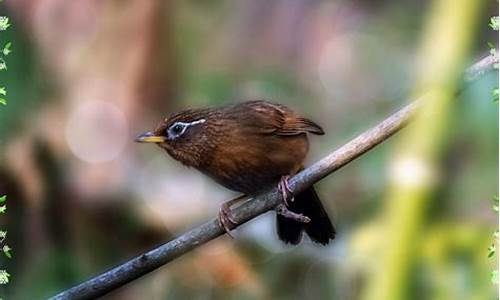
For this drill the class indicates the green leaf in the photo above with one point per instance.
(3, 64)
(4, 277)
(3, 91)
(3, 198)
(494, 276)
(494, 23)
(491, 250)
(4, 23)
(3, 208)
(493, 51)
(6, 250)
(3, 101)
(3, 234)
(6, 49)
(495, 99)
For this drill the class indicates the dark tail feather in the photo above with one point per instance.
(289, 231)
(320, 229)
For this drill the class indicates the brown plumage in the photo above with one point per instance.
(248, 147)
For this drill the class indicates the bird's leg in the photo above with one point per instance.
(282, 209)
(225, 218)
(285, 189)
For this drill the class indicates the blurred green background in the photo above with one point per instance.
(86, 76)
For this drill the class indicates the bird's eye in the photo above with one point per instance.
(176, 130)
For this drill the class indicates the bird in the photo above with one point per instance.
(249, 147)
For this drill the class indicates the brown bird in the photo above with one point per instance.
(249, 147)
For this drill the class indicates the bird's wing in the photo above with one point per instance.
(270, 118)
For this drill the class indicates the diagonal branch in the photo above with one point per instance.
(147, 262)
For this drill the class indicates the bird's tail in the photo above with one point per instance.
(320, 229)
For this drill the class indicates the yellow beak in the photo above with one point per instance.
(149, 137)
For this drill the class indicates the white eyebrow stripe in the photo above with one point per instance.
(188, 124)
(185, 126)
(200, 121)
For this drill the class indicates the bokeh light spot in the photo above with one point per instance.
(411, 172)
(96, 131)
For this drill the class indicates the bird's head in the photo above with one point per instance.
(183, 135)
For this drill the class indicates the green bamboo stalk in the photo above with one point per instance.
(414, 169)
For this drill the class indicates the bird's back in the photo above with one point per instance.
(260, 143)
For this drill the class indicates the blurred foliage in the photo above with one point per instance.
(65, 231)
(416, 164)
(6, 249)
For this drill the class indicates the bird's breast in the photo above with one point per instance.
(248, 165)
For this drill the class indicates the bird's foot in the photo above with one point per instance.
(285, 189)
(282, 209)
(225, 218)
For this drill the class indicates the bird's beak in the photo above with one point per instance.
(149, 137)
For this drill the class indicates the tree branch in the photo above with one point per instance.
(147, 262)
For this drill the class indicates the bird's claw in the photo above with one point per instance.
(285, 189)
(282, 210)
(226, 220)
